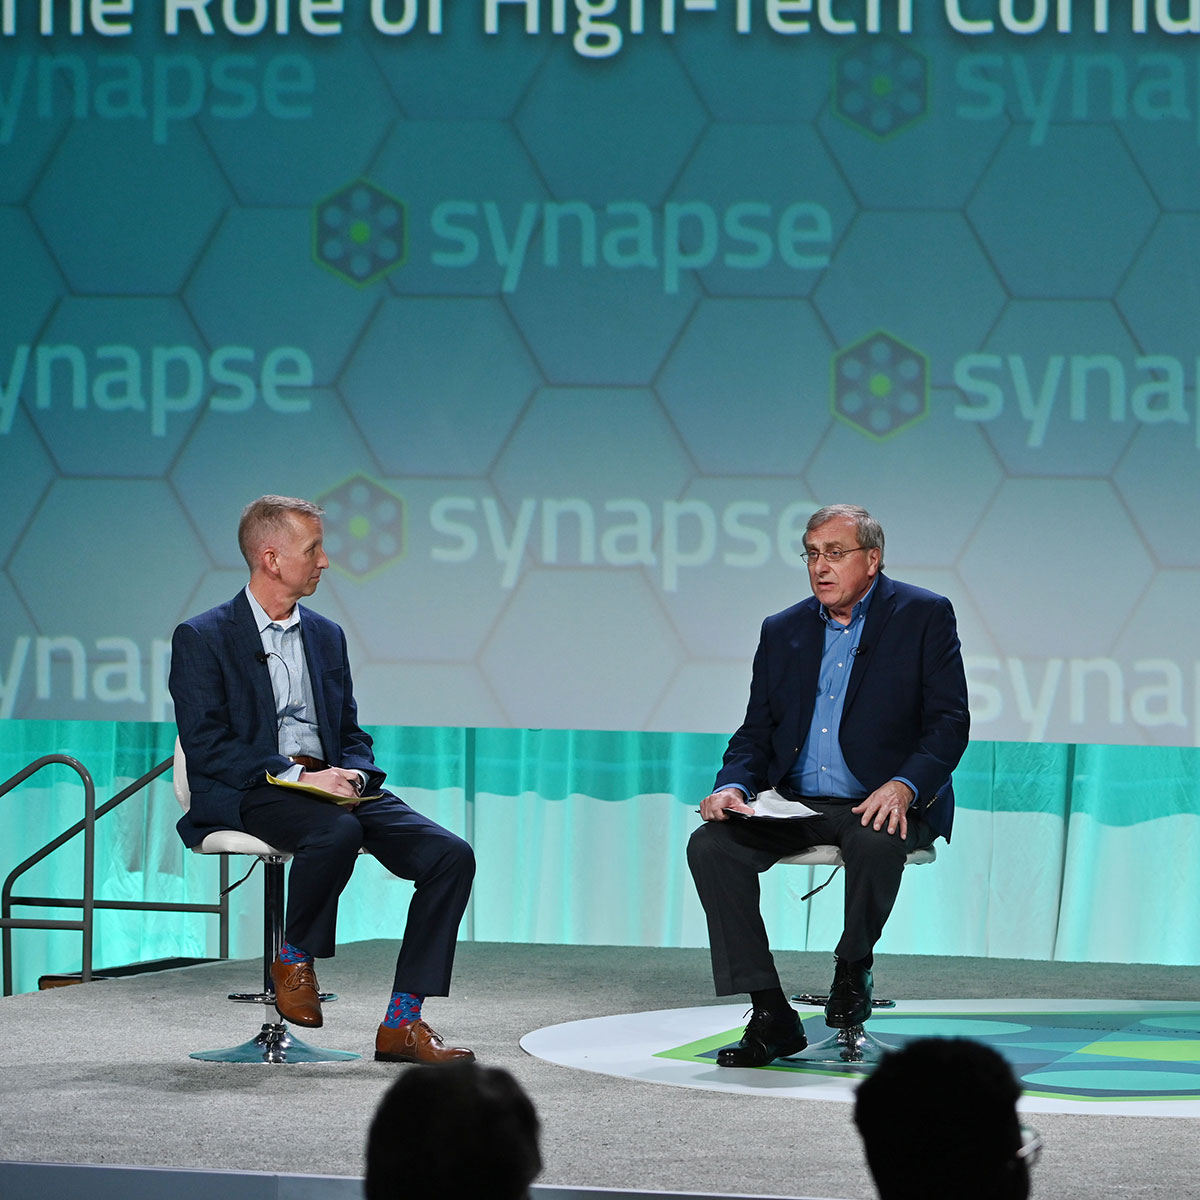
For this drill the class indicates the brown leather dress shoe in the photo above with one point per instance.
(415, 1042)
(296, 996)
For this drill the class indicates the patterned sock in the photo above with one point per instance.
(404, 1007)
(289, 954)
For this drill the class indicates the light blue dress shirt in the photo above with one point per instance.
(295, 711)
(821, 769)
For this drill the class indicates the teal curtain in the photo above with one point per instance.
(1059, 851)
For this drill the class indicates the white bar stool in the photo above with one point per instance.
(274, 1042)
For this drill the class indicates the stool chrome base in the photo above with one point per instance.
(274, 1044)
(852, 1046)
(820, 1000)
(268, 998)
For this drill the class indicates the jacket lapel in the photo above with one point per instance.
(805, 639)
(247, 646)
(806, 636)
(879, 613)
(313, 653)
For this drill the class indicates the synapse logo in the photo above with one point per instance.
(881, 88)
(880, 385)
(1058, 392)
(360, 233)
(364, 526)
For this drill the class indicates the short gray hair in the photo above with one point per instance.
(268, 517)
(869, 531)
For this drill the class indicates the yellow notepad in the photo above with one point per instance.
(320, 793)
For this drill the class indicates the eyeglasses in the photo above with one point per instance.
(1031, 1146)
(833, 557)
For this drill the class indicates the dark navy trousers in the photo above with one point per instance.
(325, 839)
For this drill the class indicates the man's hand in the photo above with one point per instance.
(887, 803)
(712, 807)
(336, 780)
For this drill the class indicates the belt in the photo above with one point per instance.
(308, 763)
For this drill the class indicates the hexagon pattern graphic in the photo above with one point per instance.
(360, 232)
(364, 526)
(569, 325)
(881, 88)
(880, 385)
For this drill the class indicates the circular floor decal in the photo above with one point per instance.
(1129, 1058)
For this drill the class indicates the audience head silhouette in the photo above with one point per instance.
(453, 1131)
(938, 1120)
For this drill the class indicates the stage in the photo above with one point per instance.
(100, 1074)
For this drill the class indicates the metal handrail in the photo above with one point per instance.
(89, 903)
(88, 826)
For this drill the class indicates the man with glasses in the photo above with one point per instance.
(967, 1092)
(857, 716)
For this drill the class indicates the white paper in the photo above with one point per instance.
(771, 804)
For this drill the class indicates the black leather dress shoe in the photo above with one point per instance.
(850, 996)
(767, 1038)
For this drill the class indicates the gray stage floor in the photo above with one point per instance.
(100, 1074)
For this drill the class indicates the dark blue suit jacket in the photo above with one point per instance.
(225, 710)
(906, 700)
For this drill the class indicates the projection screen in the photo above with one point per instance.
(570, 314)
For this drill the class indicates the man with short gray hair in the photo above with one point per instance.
(857, 716)
(264, 700)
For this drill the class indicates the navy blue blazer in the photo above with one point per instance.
(906, 700)
(225, 710)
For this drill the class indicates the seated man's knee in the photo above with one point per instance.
(874, 847)
(462, 856)
(343, 836)
(700, 846)
(708, 846)
(452, 857)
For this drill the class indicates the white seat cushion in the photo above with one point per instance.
(234, 841)
(831, 856)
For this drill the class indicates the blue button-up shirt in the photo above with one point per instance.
(821, 769)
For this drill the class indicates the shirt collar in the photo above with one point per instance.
(261, 620)
(858, 612)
